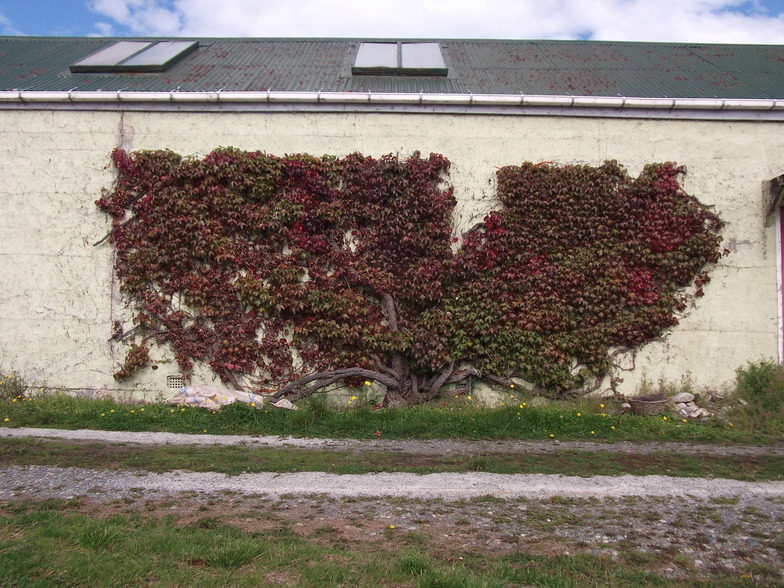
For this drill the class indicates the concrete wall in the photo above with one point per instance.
(58, 298)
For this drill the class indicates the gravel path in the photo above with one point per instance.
(690, 528)
(63, 482)
(448, 486)
(435, 446)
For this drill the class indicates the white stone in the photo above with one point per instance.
(683, 397)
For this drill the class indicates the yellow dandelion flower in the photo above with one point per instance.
(525, 404)
(511, 385)
(685, 420)
(141, 410)
(349, 402)
(352, 397)
(253, 404)
(111, 410)
(601, 406)
(579, 414)
(103, 414)
(392, 527)
(367, 383)
(551, 435)
(469, 397)
(14, 400)
(593, 432)
(613, 427)
(502, 404)
(182, 410)
(6, 419)
(664, 418)
(204, 431)
(172, 410)
(133, 411)
(731, 425)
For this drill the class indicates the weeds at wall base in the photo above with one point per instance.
(760, 392)
(13, 386)
(755, 413)
(460, 420)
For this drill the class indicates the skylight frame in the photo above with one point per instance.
(135, 56)
(411, 58)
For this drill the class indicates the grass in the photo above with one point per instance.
(234, 460)
(67, 542)
(756, 420)
(757, 416)
(587, 419)
(760, 388)
(76, 543)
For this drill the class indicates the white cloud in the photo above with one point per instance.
(7, 27)
(688, 20)
(727, 21)
(142, 17)
(104, 29)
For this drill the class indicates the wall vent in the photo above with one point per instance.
(174, 382)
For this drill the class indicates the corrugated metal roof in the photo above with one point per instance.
(577, 68)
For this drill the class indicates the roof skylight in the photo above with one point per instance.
(412, 59)
(125, 56)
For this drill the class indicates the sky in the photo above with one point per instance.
(699, 21)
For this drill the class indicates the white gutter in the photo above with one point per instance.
(430, 99)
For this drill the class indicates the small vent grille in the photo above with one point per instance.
(174, 382)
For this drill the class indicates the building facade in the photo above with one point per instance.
(719, 111)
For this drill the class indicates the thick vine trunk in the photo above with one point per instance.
(404, 386)
(402, 389)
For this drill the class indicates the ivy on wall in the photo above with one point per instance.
(582, 262)
(292, 273)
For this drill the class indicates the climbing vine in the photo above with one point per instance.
(581, 262)
(288, 274)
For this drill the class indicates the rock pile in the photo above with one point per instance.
(685, 406)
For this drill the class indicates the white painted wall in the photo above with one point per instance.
(58, 299)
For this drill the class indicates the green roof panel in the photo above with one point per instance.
(568, 68)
